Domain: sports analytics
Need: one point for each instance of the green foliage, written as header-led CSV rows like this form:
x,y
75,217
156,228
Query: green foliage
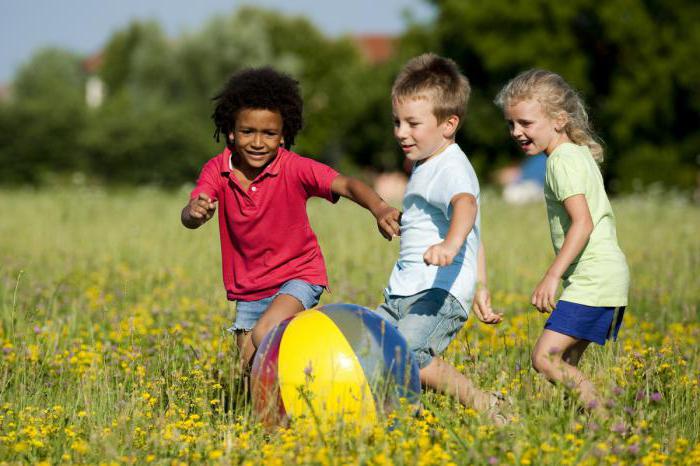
x,y
153,144
631,59
39,131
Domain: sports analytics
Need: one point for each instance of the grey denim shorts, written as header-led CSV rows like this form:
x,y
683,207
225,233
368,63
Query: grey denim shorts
x,y
428,320
247,313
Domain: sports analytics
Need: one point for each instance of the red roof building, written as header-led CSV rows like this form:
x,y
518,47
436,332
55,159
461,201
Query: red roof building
x,y
375,48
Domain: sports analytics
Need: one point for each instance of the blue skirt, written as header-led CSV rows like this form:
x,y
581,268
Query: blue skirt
x,y
590,323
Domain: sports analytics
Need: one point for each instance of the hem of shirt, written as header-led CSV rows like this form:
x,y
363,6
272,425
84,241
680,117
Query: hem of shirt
x,y
462,301
618,302
266,293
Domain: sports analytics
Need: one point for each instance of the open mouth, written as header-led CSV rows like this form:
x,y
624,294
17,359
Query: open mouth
x,y
257,155
525,144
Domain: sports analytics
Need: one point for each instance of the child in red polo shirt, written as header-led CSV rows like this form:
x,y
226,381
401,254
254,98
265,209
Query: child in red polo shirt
x,y
272,264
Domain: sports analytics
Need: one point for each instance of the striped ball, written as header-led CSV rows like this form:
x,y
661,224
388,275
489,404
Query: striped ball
x,y
340,361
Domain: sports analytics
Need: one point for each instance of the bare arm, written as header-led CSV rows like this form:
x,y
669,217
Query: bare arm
x,y
387,216
576,238
463,217
481,304
198,211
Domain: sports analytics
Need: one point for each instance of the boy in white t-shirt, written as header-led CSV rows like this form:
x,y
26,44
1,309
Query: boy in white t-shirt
x,y
440,260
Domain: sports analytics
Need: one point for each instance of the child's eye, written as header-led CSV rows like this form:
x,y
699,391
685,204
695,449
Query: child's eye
x,y
413,124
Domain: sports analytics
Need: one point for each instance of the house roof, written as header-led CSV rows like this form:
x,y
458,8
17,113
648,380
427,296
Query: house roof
x,y
375,48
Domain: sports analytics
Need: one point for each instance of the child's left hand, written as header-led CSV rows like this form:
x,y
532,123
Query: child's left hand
x,y
389,222
440,254
543,298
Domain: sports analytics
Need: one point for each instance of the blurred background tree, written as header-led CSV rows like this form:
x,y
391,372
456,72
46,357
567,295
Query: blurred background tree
x,y
630,59
40,129
634,62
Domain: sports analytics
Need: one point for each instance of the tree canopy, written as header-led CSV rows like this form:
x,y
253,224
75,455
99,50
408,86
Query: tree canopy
x,y
634,61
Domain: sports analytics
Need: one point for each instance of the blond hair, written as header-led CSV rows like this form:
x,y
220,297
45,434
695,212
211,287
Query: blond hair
x,y
556,96
436,79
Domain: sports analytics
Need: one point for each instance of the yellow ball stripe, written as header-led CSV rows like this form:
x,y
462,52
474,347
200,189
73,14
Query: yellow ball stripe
x,y
315,355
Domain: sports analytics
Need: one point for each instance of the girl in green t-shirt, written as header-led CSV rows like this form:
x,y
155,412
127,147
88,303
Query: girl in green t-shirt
x,y
545,115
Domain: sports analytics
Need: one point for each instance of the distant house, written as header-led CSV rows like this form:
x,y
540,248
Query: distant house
x,y
5,92
375,48
94,87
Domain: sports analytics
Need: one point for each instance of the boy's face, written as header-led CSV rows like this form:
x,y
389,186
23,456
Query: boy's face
x,y
418,131
532,129
257,136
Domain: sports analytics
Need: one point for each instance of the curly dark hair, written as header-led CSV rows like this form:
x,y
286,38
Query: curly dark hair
x,y
259,88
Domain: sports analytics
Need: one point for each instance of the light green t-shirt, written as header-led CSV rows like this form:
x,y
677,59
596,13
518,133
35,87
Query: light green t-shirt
x,y
599,275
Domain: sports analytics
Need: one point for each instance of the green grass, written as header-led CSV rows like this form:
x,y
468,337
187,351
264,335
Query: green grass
x,y
113,348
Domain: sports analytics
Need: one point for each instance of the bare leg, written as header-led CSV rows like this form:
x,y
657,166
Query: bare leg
x,y
246,350
444,378
282,307
573,354
556,356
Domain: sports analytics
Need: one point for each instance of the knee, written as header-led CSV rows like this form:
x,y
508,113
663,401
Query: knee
x,y
541,362
259,331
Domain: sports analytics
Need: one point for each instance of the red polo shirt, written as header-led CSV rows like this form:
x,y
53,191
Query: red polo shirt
x,y
266,238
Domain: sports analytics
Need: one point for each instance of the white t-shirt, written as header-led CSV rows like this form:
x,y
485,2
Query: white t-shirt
x,y
425,221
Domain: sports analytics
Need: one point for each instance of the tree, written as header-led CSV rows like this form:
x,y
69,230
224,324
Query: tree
x,y
631,59
40,128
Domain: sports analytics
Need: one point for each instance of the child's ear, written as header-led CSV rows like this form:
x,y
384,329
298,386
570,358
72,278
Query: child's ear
x,y
561,121
282,142
450,126
230,137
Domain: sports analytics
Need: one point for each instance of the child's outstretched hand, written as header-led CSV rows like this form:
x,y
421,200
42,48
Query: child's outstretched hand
x,y
482,307
201,208
440,254
543,298
389,222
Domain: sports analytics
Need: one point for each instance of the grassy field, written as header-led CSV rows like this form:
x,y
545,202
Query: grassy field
x,y
114,349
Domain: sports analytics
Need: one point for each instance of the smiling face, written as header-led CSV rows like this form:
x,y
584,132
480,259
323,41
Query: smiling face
x,y
418,131
533,129
257,136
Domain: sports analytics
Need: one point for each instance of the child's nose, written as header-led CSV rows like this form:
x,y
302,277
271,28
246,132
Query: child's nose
x,y
400,131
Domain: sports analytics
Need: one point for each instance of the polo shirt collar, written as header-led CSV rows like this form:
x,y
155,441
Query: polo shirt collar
x,y
272,169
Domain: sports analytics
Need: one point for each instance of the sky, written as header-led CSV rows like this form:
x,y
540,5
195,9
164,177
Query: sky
x,y
84,26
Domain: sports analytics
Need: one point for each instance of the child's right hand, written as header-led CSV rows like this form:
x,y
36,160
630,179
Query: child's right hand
x,y
482,307
201,208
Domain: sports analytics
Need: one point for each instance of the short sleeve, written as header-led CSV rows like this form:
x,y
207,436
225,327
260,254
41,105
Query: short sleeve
x,y
451,180
316,178
566,176
209,180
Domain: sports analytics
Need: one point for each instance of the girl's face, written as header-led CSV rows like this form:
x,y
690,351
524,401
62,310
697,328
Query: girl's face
x,y
257,136
533,129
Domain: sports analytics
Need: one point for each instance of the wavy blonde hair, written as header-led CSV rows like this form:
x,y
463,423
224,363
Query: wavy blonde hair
x,y
556,96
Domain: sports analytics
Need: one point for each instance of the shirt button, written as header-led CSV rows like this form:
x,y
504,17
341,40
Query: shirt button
x,y
253,189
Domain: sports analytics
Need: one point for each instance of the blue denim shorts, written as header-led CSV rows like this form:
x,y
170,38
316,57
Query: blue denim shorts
x,y
428,320
247,313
